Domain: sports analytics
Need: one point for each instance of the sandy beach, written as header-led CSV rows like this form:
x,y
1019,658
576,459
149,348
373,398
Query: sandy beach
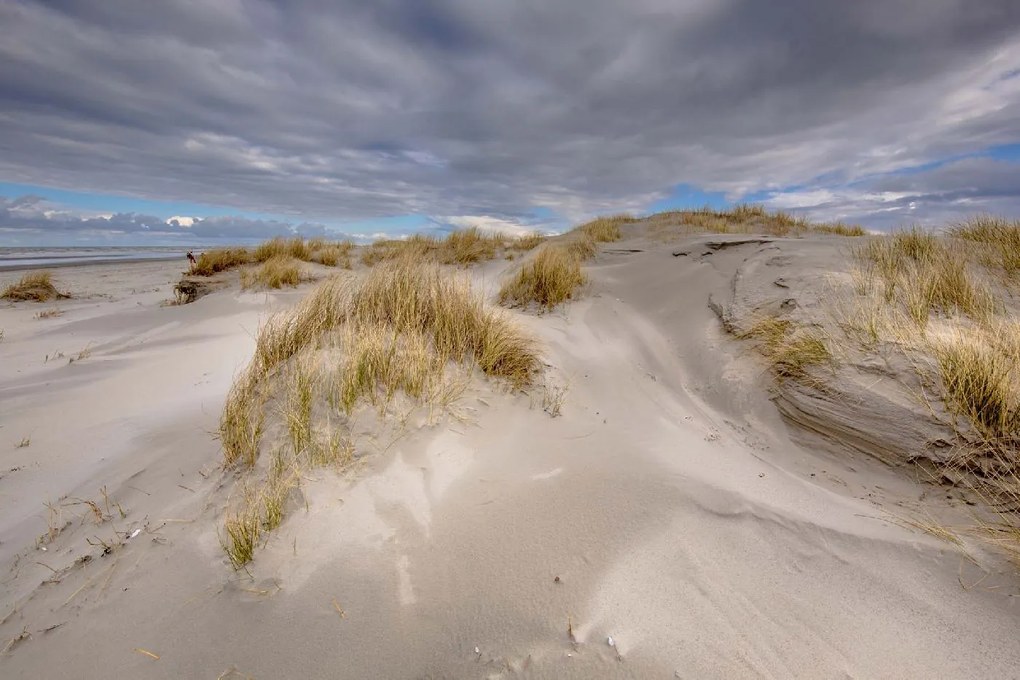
x,y
658,518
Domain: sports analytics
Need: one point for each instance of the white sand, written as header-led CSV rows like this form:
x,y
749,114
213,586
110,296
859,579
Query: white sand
x,y
669,499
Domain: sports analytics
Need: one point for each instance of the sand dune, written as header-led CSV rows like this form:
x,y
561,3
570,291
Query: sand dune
x,y
669,507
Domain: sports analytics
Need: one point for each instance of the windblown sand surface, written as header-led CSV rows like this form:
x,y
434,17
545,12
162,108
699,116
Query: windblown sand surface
x,y
669,507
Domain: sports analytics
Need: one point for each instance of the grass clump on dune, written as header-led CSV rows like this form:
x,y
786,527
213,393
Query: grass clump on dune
x,y
468,246
605,229
790,350
243,419
276,272
295,247
379,251
981,378
998,238
550,278
925,273
244,529
331,254
583,247
356,340
35,287
318,250
378,362
529,242
442,305
463,247
742,219
220,259
840,229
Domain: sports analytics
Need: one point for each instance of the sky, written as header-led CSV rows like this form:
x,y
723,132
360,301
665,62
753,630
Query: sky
x,y
189,121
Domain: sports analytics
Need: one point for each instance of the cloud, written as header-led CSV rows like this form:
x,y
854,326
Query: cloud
x,y
351,111
932,197
41,218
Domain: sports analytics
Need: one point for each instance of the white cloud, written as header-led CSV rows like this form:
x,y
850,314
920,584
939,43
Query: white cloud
x,y
800,199
932,197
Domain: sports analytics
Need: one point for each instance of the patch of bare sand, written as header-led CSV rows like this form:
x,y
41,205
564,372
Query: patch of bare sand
x,y
668,508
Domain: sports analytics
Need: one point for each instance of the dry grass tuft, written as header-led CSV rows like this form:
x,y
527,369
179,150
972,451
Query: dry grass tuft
x,y
742,219
998,238
379,361
331,254
525,243
422,297
295,247
298,410
583,247
35,287
243,418
469,246
771,331
550,278
463,247
790,350
416,247
276,272
220,259
605,229
318,250
243,531
981,379
927,274
840,229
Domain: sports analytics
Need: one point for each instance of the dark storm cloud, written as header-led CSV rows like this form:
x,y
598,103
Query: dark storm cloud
x,y
344,110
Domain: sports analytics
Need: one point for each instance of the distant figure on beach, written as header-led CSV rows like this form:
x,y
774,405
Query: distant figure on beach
x,y
191,258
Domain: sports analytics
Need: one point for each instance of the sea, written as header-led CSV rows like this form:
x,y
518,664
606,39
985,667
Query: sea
x,y
29,257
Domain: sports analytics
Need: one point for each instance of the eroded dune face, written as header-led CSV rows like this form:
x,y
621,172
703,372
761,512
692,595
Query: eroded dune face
x,y
657,503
